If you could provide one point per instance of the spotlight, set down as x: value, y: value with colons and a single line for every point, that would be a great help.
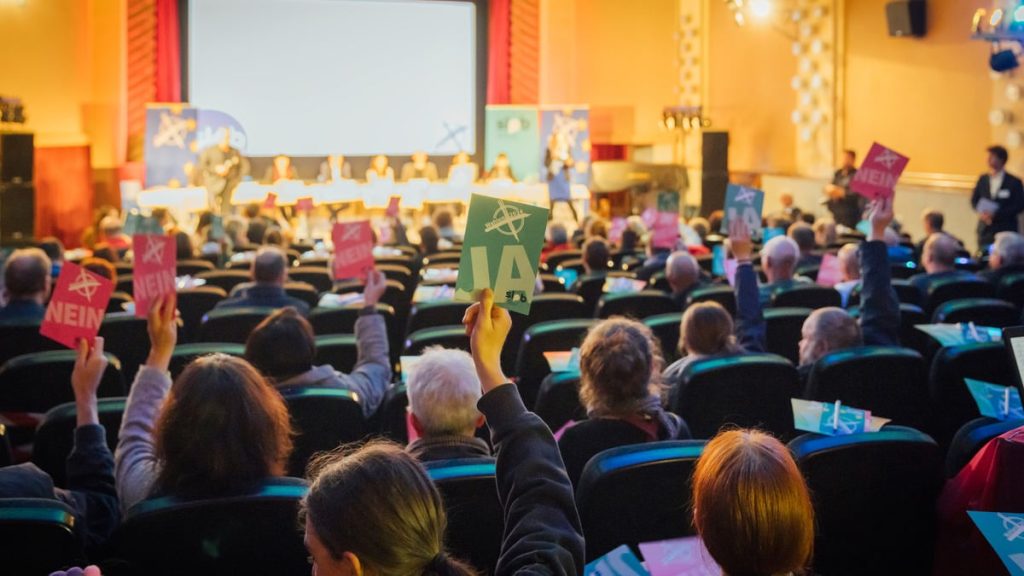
x: 979, y: 17
x: 996, y: 19
x: 760, y: 8
x: 1003, y: 61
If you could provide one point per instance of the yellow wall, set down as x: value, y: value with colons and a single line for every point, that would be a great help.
x: 928, y: 98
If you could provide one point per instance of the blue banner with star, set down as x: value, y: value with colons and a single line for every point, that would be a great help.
x: 565, y: 143
x: 171, y: 148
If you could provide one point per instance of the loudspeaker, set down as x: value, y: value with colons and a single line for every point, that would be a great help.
x: 906, y: 18
x: 16, y: 157
x: 17, y: 212
x: 714, y: 172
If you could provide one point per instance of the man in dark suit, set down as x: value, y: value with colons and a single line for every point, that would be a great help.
x: 845, y: 204
x: 269, y: 274
x: 1001, y: 195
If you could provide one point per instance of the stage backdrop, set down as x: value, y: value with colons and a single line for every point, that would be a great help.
x: 525, y: 132
x: 565, y: 132
x: 177, y: 133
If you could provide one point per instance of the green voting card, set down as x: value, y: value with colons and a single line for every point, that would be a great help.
x: 501, y: 251
x: 743, y: 203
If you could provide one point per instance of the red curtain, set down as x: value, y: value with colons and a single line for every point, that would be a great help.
x: 498, y: 59
x: 168, y: 52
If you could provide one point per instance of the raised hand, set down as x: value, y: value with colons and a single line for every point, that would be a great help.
x: 739, y: 242
x: 880, y: 214
x: 90, y: 364
x: 376, y: 284
x: 487, y: 326
x: 163, y: 331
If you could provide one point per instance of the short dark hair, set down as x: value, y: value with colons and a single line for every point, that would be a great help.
x: 803, y: 235
x: 596, y: 253
x: 935, y: 219
x: 282, y: 345
x: 251, y: 210
x: 53, y: 247
x: 269, y: 265
x: 25, y: 272
x: 999, y: 152
x: 851, y: 152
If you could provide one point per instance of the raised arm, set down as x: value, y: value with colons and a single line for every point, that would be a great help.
x: 750, y: 325
x: 542, y: 528
x: 879, y: 309
x: 372, y: 373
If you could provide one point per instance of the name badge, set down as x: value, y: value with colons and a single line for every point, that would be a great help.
x: 1003, y: 194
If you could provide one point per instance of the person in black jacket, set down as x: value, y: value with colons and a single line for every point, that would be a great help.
x: 845, y: 204
x: 1002, y: 188
x: 90, y: 466
x: 269, y: 274
x: 400, y: 512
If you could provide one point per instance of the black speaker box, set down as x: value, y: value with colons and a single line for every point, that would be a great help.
x: 907, y: 18
x: 16, y: 157
x: 17, y: 212
x: 714, y: 171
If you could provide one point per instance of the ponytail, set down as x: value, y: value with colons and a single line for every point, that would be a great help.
x: 445, y: 565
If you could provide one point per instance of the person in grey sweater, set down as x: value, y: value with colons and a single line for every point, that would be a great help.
x: 283, y: 348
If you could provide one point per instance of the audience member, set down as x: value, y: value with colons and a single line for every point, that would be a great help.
x: 715, y: 221
x: 429, y: 240
x: 849, y: 272
x: 779, y: 259
x: 257, y: 224
x: 932, y: 222
x: 701, y: 226
x: 183, y: 246
x: 101, y: 267
x: 804, y: 236
x: 54, y: 250
x: 443, y: 393
x: 683, y: 275
x: 620, y: 388
x: 402, y: 517
x: 751, y: 505
x: 445, y: 224
x: 26, y: 286
x: 557, y: 240
x: 419, y: 167
x: 630, y: 241
x: 654, y: 263
x: 939, y: 261
x: 269, y: 273
x: 103, y: 251
x: 825, y: 233
x: 90, y: 466
x: 218, y: 429
x: 113, y: 235
x: 1006, y: 257
x: 596, y: 228
x: 788, y: 209
x: 595, y: 256
x: 93, y: 235
x: 282, y: 347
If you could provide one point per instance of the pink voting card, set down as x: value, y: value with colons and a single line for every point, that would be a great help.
x: 353, y: 249
x: 153, y: 270
x: 681, y: 557
x: 828, y: 273
x: 77, y: 306
x: 879, y: 173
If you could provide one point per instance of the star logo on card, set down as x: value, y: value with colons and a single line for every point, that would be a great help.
x: 154, y: 250
x: 745, y: 195
x: 1013, y: 526
x: 84, y: 285
x: 350, y: 233
x: 888, y: 159
x: 508, y: 220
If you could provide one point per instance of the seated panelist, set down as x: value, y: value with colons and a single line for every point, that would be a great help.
x: 379, y: 169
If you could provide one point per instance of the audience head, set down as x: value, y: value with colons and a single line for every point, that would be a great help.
x: 849, y: 159
x: 779, y: 257
x: 461, y: 158
x: 110, y: 226
x: 402, y: 521
x: 282, y: 345
x: 100, y: 267
x: 786, y: 199
x: 637, y: 225
x: 104, y: 251
x: 596, y: 228
x: 270, y: 266
x: 222, y: 429
x: 252, y: 211
x: 939, y: 253
x: 429, y: 238
x: 997, y: 158
x: 281, y: 164
x: 751, y: 505
x: 681, y: 271
x: 629, y: 241
x: 849, y: 262
x: 273, y: 237
x: 27, y: 275
x: 701, y: 226
x: 803, y: 234
x: 827, y: 330
x: 557, y: 234
x: 825, y: 233
x: 183, y: 246
x: 53, y: 248
x: 443, y: 391
x: 706, y: 329
x: 595, y: 255
x: 1007, y: 250
x: 933, y: 221
x: 715, y: 221
x: 620, y: 367
x: 443, y: 219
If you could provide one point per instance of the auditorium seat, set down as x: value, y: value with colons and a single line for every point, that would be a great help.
x: 807, y: 271
x: 303, y: 291
x: 327, y: 320
x: 231, y: 324
x: 123, y: 268
x: 125, y: 284
x: 638, y: 305
x: 398, y: 272
x: 338, y: 350
x: 554, y: 259
x: 874, y: 500
x: 888, y: 381
x: 971, y: 438
x: 436, y: 313
x: 448, y: 257
x: 39, y: 381
x: 238, y: 265
x: 390, y: 419
x: 555, y: 335
x: 558, y: 400
x: 38, y: 536
x: 394, y: 296
x: 475, y: 517
x: 783, y: 331
x: 56, y: 435
x: 591, y: 287
x: 446, y: 336
x: 192, y: 267
x: 127, y: 337
x: 255, y: 533
x: 981, y: 311
x: 184, y: 354
x: 659, y: 281
x: 1011, y: 289
x: 19, y: 338
x: 903, y: 270
x: 224, y: 279
x: 943, y: 291
x: 807, y: 296
x: 552, y: 284
x: 721, y: 293
x: 745, y: 390
x: 193, y: 304
x: 323, y: 418
x: 906, y: 292
x: 117, y: 302
x: 319, y: 278
x: 638, y: 493
x: 954, y: 405
x: 666, y: 330
x: 545, y: 308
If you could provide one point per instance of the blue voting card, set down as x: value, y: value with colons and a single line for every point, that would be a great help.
x: 618, y: 562
x: 770, y: 233
x: 819, y: 417
x: 996, y: 401
x: 1005, y: 533
x: 718, y: 260
x: 568, y: 276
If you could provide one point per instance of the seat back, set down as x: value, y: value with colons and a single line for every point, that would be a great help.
x: 343, y: 320
x: 400, y: 273
x: 637, y: 305
x: 55, y: 436
x: 783, y: 330
x: 37, y: 536
x: 911, y: 337
x: 127, y: 337
x: 971, y: 438
x: 319, y: 277
x: 184, y: 354
x: 303, y: 291
x: 531, y: 366
x: 722, y: 294
x: 39, y: 381
x: 194, y: 303
x: 943, y: 291
x: 545, y: 308
x: 638, y: 493
x: 1011, y: 289
x: 192, y: 267
x: 807, y: 296
x: 446, y: 336
x: 981, y: 311
x: 23, y: 338
x: 556, y: 258
x: 232, y: 324
x: 324, y: 418
x: 437, y: 313
x: 338, y: 350
x: 888, y: 381
x: 224, y: 279
x: 906, y: 292
x: 874, y: 499
x: 117, y: 301
x: 475, y: 516
x: 255, y: 533
x: 590, y: 287
x: 745, y: 390
x: 391, y: 417
x: 666, y: 329
x: 954, y: 405
x: 552, y: 284
x: 558, y: 400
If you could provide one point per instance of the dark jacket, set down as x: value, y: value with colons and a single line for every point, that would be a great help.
x: 448, y: 448
x: 90, y: 494
x: 679, y: 298
x: 1010, y: 198
x: 265, y: 295
x: 996, y: 275
x: 923, y: 282
x: 543, y: 534
x: 846, y: 210
x: 18, y: 311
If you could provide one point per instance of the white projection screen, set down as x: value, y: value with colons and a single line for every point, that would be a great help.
x: 358, y: 77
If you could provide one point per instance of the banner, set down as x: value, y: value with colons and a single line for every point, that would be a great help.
x: 514, y: 131
x: 171, y: 149
x: 77, y: 307
x: 565, y: 140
